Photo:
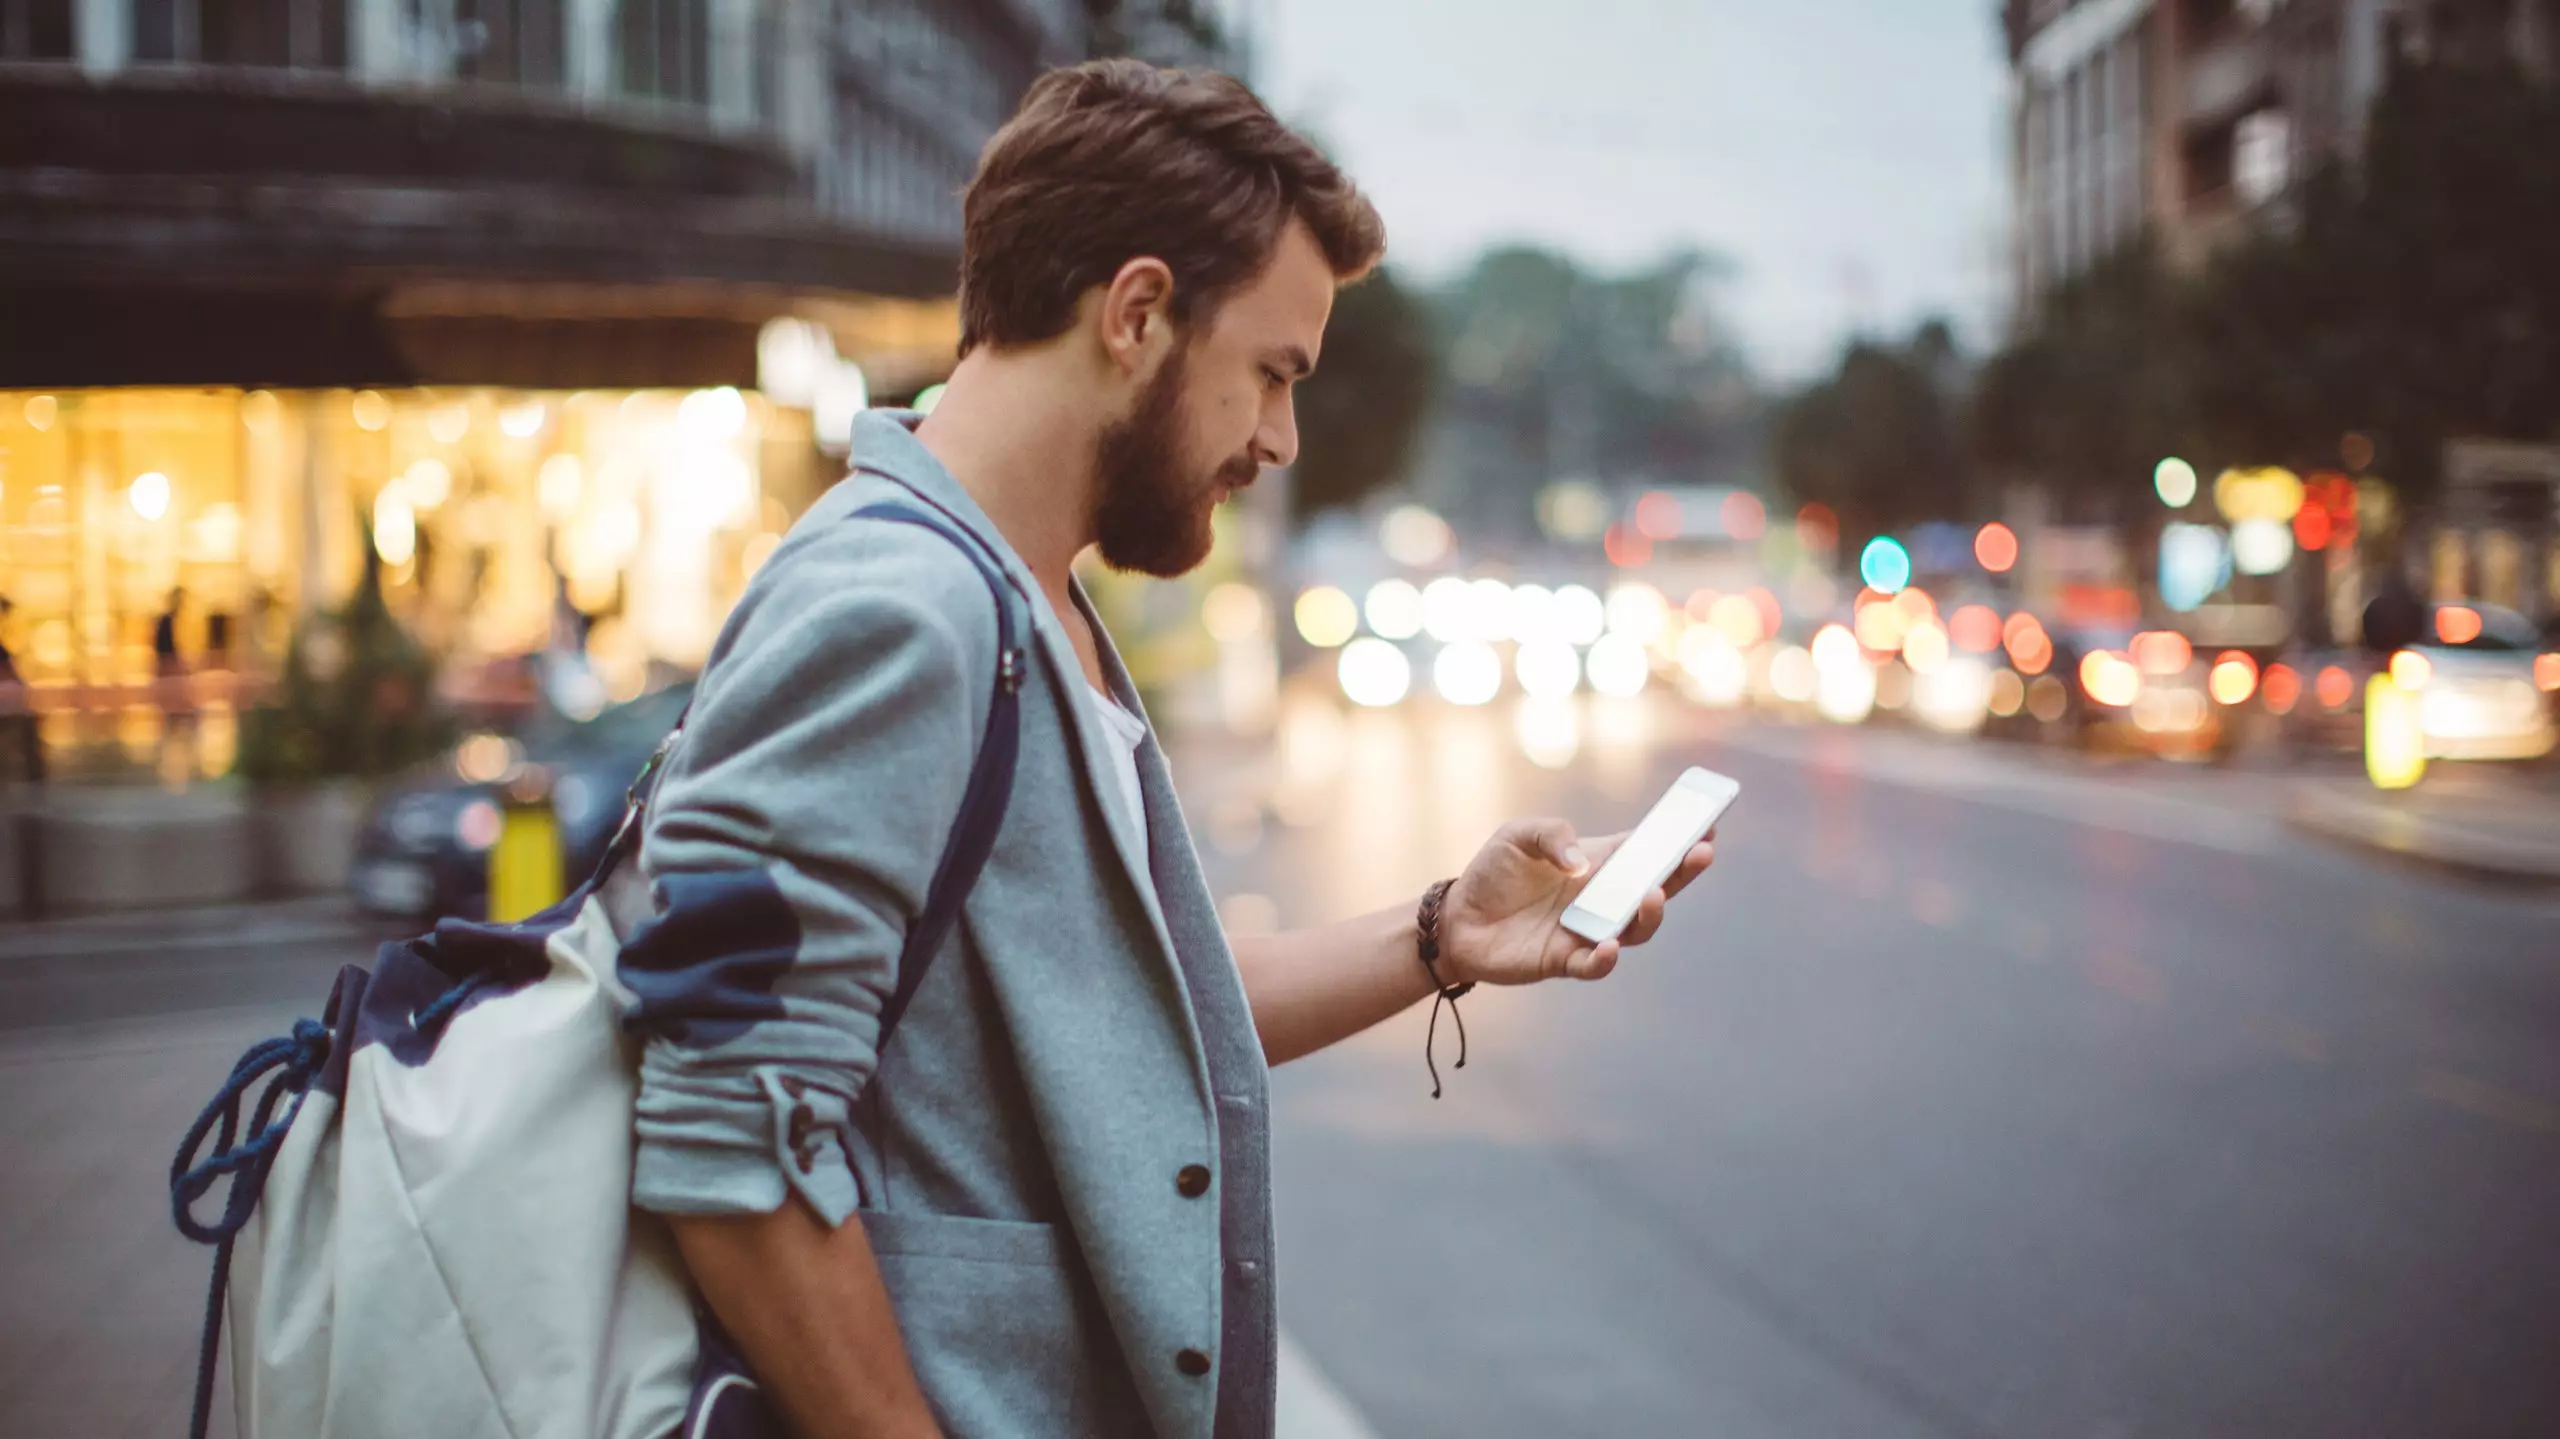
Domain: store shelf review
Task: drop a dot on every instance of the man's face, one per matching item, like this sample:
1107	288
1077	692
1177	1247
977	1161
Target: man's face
1216	411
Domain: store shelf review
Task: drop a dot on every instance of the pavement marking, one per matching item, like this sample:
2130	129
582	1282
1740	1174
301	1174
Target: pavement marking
1310	1407
2489	1101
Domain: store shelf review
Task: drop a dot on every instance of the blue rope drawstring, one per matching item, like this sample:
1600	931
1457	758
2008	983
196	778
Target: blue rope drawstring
431	1019
294	1062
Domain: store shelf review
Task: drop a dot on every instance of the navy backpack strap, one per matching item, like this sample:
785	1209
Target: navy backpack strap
990	791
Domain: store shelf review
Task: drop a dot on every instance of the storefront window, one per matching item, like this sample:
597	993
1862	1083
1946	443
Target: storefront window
158	546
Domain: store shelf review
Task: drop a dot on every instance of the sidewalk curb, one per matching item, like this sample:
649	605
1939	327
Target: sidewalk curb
232	926
2378	824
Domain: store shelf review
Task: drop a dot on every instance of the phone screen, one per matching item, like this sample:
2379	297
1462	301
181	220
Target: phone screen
1651	851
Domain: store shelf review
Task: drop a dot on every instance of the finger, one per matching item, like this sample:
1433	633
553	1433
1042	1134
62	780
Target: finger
1648	919
1593	963
1693	864
1554	841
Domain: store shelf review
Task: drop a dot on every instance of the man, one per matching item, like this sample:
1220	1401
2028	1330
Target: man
1060	1165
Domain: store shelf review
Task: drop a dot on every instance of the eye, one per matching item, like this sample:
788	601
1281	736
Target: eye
1274	378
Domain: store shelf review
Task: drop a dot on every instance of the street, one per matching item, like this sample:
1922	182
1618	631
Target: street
1973	1093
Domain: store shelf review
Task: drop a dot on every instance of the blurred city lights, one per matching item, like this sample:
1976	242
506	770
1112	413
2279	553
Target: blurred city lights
2109	678
1924	647
1885	565
560	482
370	409
2269	492
1716	670
1995	546
2457	624
1326	617
1834	645
1892	681
1817	529
149	494
1467	673
2546	672
1449	610
1489	610
1573	510
521	422
1580	618
790	355
1549	731
395	526
1738	619
1914	605
1880	627
2194	562
1394	609
1533	613
2281	688
2008	693
2411	670
1547	669
1791	674
1744	516
1956	697
1767	604
2030	648
1618	666
2233	679
1374	673
2261	546
1975	628
447	425
40	410
2047	700
2395	743
2334	687
1844	694
2175	480
1234	613
2311	527
2169	710
1625	548
429	483
709	414
1637	611
2162	652
1415	537
1658	516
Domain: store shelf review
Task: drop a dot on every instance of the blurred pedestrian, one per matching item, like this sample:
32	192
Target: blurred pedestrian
1061	1174
164	638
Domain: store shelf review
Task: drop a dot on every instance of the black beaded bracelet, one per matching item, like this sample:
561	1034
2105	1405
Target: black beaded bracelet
1426	927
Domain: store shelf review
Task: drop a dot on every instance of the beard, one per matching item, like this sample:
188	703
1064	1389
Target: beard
1154	513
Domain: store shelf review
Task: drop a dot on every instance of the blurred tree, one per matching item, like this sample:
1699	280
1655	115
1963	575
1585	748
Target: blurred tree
1878	441
2413	296
1360	416
356	699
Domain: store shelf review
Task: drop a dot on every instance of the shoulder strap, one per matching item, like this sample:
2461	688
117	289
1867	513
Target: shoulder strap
990	791
982	804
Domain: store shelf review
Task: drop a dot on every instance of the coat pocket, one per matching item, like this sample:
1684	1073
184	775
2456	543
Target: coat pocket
1004	1329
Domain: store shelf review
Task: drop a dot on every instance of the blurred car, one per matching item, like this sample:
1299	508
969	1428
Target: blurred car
2480	696
424	850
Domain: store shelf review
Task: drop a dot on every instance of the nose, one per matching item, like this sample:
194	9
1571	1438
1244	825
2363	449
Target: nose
1276	443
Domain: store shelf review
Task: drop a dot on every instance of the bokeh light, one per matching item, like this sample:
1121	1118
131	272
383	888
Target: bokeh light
1374	673
1394	608
1618	667
1467	673
1234	613
1414	536
2233	679
1738	619
2457	624
2008	693
2281	688
1791	674
2109	678
1449	610
1658	516
1637	611
1326	617
2334	687
1549	731
1744	516
2411	670
2175	481
1975	628
1489	609
1995	547
1580	617
2162	652
1547	669
1924	647
1885	565
1716	670
2047	699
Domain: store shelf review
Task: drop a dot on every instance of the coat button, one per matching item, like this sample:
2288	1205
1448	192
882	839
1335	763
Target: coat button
1193	1181
1192	1362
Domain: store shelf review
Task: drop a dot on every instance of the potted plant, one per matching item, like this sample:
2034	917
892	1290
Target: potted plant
355	703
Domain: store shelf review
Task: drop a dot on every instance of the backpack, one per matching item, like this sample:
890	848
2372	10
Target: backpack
428	1229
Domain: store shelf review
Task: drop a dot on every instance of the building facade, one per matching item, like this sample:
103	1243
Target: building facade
2182	119
483	295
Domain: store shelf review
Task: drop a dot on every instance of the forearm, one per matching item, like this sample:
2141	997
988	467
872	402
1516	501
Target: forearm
1314	987
807	1310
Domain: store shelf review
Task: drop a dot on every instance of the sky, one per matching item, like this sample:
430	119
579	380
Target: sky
1846	157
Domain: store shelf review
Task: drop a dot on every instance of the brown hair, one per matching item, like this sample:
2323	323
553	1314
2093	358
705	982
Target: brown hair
1114	159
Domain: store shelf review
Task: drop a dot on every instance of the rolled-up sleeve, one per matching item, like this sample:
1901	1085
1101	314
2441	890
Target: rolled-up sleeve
790	843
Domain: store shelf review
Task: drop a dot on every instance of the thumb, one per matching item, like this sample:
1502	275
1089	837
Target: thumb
1554	841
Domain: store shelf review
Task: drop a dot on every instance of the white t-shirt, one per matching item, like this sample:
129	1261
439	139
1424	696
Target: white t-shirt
1127	733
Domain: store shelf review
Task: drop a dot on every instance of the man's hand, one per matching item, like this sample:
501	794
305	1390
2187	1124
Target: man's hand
1499	923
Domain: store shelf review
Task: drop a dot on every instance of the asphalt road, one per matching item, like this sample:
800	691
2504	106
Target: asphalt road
1969	1095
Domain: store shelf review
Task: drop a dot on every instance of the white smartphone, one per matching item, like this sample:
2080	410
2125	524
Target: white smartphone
1680	819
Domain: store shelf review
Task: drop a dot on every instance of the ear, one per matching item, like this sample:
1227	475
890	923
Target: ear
1137	315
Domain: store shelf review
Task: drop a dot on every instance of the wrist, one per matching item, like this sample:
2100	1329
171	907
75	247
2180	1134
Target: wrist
1446	988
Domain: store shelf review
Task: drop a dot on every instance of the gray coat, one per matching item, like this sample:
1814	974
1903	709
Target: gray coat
1017	1156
